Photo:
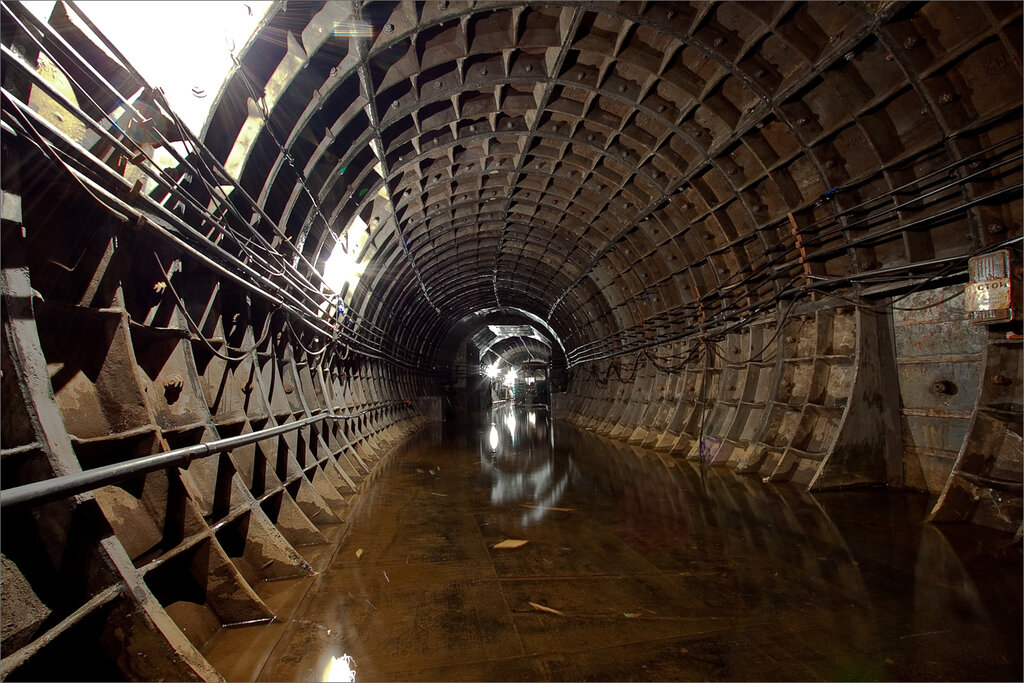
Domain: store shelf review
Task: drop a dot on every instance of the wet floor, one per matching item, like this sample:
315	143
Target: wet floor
636	567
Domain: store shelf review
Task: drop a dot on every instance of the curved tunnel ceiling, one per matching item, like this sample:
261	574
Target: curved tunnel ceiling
628	173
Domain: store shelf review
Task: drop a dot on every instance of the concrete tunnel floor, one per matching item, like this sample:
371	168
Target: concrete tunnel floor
637	567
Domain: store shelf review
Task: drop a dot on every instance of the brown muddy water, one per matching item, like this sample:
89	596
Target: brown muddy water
636	567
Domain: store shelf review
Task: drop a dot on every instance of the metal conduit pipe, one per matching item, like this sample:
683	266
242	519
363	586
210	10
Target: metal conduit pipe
66	485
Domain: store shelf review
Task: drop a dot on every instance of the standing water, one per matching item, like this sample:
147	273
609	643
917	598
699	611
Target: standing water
635	566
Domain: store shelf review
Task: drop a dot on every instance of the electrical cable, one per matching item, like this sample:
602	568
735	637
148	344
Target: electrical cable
61	45
52	153
198	331
298	341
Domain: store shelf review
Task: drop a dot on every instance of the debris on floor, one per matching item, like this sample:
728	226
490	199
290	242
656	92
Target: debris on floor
510	543
546	507
545	608
359	553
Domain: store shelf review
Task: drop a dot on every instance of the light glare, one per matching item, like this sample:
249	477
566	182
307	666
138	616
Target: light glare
341	266
340	670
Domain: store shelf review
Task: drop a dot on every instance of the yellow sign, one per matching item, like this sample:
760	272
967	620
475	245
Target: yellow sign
989	295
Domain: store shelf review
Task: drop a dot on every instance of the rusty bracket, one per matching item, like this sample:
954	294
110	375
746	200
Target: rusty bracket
800	248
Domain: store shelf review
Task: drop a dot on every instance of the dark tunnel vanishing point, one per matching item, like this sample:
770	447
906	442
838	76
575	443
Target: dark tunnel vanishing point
782	238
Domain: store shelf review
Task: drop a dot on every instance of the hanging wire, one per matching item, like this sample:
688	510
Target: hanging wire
198	331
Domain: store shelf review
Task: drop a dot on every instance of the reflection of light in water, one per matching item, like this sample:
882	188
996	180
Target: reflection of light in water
526	472
340	669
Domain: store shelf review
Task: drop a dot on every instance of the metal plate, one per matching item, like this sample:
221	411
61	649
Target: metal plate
988	295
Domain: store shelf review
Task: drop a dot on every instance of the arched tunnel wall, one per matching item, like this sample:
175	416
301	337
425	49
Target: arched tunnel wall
98	369
748	225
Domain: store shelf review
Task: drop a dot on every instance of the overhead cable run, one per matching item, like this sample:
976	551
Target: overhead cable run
187	207
879	217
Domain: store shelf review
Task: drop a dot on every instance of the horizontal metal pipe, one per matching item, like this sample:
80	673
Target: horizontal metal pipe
40	492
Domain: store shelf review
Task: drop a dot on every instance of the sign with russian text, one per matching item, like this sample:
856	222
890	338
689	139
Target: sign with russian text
988	295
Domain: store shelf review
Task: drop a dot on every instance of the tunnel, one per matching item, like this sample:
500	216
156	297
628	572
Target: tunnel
517	341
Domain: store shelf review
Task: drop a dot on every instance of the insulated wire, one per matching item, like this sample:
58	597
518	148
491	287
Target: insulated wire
50	152
265	116
69	52
198	331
